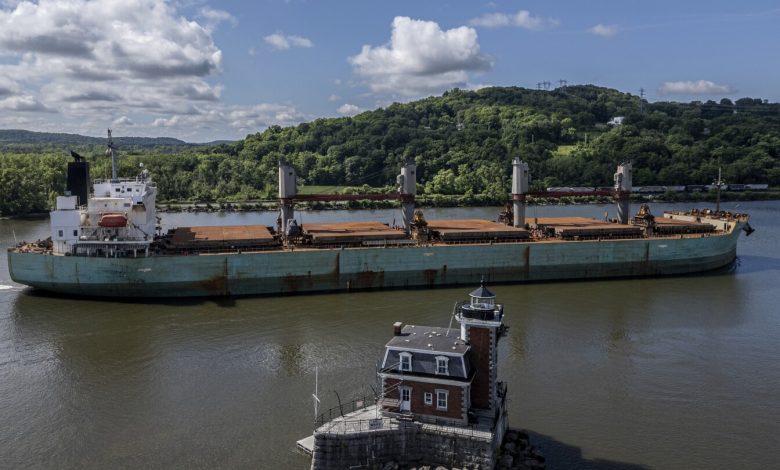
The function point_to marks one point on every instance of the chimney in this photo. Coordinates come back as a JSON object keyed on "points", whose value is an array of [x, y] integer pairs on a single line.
{"points": [[397, 327]]}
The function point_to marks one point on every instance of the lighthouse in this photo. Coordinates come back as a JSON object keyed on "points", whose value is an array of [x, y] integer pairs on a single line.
{"points": [[481, 326]]}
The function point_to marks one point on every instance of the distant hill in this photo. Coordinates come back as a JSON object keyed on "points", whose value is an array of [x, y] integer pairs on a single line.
{"points": [[19, 136]]}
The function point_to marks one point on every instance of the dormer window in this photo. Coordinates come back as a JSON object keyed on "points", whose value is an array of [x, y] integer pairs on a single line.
{"points": [[405, 362], [442, 365]]}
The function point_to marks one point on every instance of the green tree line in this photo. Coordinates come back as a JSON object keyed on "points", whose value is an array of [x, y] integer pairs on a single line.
{"points": [[463, 143]]}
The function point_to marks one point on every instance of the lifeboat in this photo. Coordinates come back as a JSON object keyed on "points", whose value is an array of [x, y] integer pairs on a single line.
{"points": [[113, 220]]}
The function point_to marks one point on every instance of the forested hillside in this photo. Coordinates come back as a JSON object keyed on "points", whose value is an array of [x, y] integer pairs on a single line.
{"points": [[463, 143]]}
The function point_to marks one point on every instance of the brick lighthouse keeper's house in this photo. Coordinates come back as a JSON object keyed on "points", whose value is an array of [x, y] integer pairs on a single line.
{"points": [[447, 375]]}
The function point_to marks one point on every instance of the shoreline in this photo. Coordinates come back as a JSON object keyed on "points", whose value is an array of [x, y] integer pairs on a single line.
{"points": [[432, 201], [437, 201]]}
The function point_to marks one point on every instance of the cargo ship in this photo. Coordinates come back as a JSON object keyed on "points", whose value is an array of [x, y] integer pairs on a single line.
{"points": [[107, 242]]}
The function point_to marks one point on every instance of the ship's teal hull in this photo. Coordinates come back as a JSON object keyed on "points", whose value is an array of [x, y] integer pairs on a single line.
{"points": [[324, 270]]}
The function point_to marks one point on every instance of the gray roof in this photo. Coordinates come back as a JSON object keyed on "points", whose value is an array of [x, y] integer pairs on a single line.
{"points": [[425, 343], [430, 338], [482, 292], [424, 363]]}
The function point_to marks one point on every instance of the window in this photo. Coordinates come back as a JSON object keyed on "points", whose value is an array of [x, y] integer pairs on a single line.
{"points": [[405, 363], [428, 398], [441, 399], [59, 233], [75, 233], [442, 365]]}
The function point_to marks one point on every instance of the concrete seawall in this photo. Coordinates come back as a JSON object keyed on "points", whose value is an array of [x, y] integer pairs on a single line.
{"points": [[406, 445], [347, 442]]}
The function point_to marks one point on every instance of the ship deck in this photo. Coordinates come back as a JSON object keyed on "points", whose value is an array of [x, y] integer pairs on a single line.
{"points": [[349, 232], [463, 229], [221, 236]]}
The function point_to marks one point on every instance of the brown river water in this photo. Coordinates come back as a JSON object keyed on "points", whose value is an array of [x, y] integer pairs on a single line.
{"points": [[671, 373]]}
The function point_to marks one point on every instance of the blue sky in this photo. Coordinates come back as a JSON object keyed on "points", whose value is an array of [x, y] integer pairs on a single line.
{"points": [[201, 70]]}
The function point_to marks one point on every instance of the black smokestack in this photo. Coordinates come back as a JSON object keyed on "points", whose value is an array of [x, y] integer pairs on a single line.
{"points": [[78, 177]]}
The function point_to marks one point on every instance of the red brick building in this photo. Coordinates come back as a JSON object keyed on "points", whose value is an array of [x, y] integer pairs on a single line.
{"points": [[445, 374]]}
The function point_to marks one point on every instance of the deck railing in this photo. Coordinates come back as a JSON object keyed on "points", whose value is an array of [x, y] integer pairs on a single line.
{"points": [[344, 409]]}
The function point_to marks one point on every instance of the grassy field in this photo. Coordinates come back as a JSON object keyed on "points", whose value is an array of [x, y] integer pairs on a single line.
{"points": [[564, 150], [316, 189]]}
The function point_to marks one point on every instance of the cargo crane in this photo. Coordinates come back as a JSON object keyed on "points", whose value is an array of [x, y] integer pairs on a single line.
{"points": [[288, 195]]}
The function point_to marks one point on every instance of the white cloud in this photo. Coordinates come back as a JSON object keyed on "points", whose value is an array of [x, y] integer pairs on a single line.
{"points": [[281, 42], [348, 109], [214, 17], [240, 118], [699, 87], [604, 30], [421, 58], [100, 60], [8, 87], [521, 19], [334, 98], [25, 103], [123, 121]]}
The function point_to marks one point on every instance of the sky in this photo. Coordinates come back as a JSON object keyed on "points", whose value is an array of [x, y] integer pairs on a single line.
{"points": [[205, 70]]}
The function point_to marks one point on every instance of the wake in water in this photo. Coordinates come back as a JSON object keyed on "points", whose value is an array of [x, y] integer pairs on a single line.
{"points": [[5, 287]]}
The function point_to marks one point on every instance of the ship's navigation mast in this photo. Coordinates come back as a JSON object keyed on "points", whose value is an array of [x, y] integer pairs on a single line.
{"points": [[718, 183], [111, 153]]}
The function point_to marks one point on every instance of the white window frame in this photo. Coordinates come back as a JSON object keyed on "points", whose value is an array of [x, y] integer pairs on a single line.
{"points": [[442, 360], [405, 362], [439, 394], [428, 398]]}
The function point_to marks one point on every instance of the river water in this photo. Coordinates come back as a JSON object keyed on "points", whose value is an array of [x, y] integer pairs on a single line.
{"points": [[657, 373]]}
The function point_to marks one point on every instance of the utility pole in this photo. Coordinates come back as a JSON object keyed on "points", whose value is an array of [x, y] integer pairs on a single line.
{"points": [[538, 85], [641, 101], [546, 85], [562, 83]]}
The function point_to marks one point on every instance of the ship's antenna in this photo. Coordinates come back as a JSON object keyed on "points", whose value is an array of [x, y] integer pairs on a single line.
{"points": [[718, 184], [110, 152]]}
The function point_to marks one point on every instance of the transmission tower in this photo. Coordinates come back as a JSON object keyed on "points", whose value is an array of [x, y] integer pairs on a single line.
{"points": [[641, 101]]}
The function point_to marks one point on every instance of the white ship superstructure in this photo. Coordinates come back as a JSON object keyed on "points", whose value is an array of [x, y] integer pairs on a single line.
{"points": [[118, 220]]}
